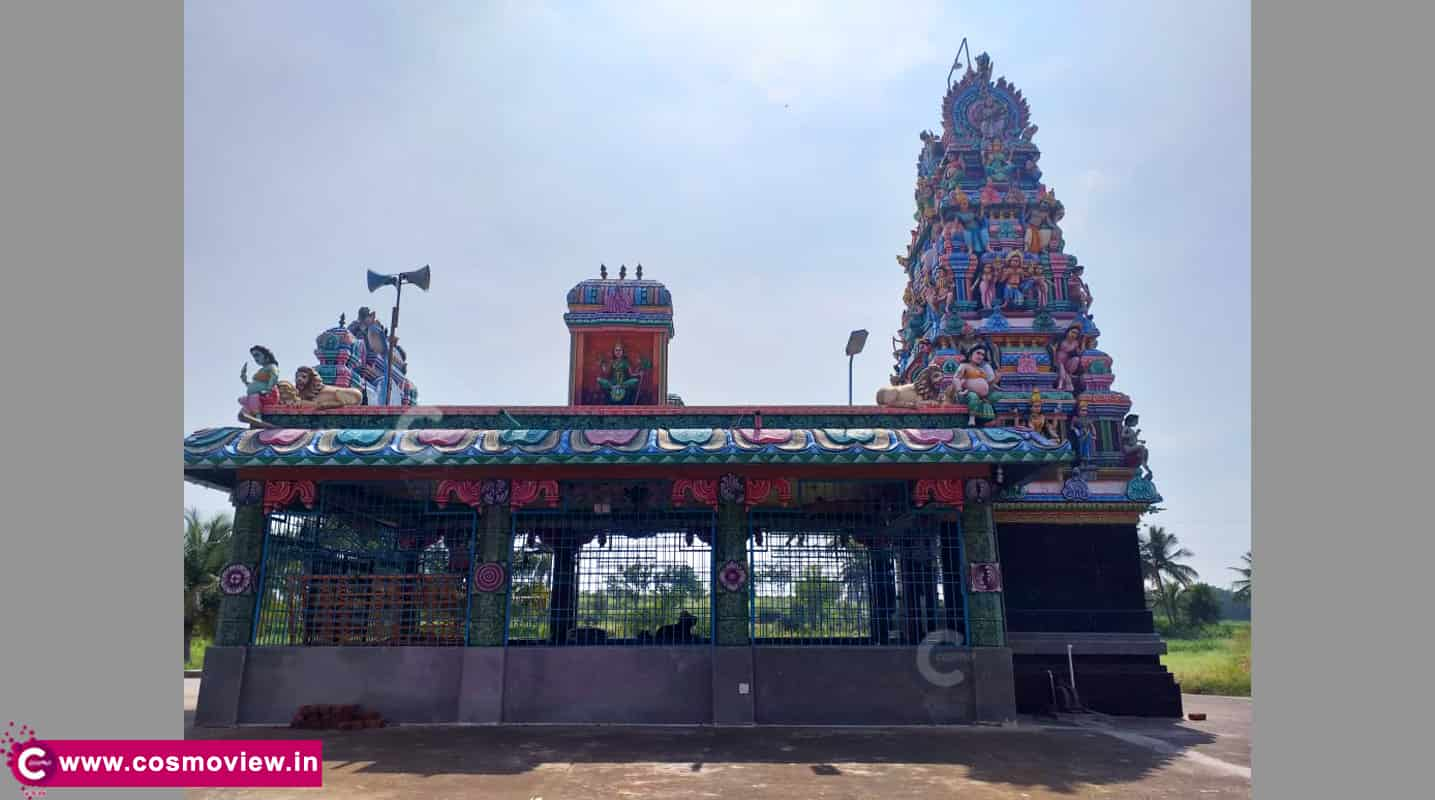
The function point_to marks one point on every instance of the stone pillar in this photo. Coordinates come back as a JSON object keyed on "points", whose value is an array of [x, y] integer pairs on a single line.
{"points": [[236, 611], [731, 615], [488, 612], [986, 621]]}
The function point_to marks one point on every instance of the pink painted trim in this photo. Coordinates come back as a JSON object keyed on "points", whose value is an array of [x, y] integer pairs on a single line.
{"points": [[635, 411]]}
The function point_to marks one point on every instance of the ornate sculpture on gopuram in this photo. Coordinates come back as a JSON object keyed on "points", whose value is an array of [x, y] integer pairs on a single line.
{"points": [[350, 372], [996, 311]]}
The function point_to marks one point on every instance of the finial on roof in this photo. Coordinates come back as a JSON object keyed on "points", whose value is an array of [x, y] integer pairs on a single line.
{"points": [[623, 272], [341, 319], [640, 271], [603, 271]]}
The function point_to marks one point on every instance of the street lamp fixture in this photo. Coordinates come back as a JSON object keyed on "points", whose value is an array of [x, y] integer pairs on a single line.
{"points": [[855, 342]]}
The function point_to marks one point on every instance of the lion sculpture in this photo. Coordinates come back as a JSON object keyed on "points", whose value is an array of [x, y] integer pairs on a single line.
{"points": [[921, 392], [309, 389]]}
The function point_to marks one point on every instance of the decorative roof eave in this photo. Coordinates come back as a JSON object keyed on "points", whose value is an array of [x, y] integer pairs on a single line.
{"points": [[231, 448]]}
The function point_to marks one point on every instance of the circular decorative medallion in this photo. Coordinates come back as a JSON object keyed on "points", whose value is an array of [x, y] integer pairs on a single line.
{"points": [[248, 493], [488, 577], [731, 488], [732, 576], [236, 579]]}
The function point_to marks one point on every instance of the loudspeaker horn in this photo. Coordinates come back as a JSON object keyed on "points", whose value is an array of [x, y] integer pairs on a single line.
{"points": [[419, 277]]}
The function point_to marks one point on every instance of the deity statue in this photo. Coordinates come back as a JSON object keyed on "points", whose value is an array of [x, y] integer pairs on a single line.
{"points": [[1036, 280], [943, 282], [618, 380], [924, 198], [1076, 289], [1133, 447], [959, 335], [900, 352], [952, 175], [990, 115], [1066, 354], [951, 232], [1039, 223], [936, 307], [998, 167], [1038, 420], [1013, 272], [1082, 437], [265, 381], [984, 284], [974, 381], [989, 195], [974, 224]]}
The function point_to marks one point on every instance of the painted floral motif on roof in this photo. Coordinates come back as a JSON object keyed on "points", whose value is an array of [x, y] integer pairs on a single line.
{"points": [[227, 448]]}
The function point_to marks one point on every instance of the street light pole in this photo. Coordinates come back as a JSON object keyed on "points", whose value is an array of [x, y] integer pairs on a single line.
{"points": [[850, 359]]}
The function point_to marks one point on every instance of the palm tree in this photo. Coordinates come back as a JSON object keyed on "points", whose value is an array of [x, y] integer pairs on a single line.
{"points": [[1160, 554], [1242, 587], [206, 545]]}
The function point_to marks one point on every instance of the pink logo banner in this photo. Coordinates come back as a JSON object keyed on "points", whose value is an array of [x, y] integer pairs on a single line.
{"points": [[164, 763]]}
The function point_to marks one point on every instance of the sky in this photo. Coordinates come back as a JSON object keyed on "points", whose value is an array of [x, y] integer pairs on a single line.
{"points": [[758, 158]]}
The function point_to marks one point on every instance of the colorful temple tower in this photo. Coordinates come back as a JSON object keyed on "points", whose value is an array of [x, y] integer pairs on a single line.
{"points": [[619, 331], [947, 555], [998, 315]]}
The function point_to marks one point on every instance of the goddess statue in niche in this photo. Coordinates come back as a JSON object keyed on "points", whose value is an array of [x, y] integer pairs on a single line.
{"points": [[618, 379]]}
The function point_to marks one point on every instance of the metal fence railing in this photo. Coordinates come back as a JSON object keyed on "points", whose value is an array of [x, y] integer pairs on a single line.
{"points": [[629, 578], [864, 572], [371, 566]]}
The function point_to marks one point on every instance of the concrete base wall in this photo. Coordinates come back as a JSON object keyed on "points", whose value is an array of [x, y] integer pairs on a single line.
{"points": [[608, 684], [882, 685], [670, 685], [405, 684]]}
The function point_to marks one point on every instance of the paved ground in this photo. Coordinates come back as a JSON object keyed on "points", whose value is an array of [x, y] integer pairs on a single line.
{"points": [[1089, 757]]}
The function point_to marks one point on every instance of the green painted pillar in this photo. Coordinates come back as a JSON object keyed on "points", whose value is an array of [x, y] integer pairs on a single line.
{"points": [[986, 622], [730, 608], [236, 611], [488, 611]]}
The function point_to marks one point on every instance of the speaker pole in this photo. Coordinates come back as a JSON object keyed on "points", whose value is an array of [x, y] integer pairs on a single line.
{"points": [[393, 331]]}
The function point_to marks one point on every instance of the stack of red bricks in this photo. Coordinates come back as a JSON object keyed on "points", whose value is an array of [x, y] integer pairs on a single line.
{"points": [[336, 717]]}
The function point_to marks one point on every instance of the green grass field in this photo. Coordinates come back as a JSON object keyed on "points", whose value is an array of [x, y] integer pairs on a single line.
{"points": [[1215, 660]]}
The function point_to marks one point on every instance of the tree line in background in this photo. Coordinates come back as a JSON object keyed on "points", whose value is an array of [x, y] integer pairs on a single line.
{"points": [[1175, 588], [206, 546]]}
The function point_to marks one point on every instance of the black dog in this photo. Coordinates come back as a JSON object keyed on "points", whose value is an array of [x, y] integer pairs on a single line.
{"points": [[680, 632]]}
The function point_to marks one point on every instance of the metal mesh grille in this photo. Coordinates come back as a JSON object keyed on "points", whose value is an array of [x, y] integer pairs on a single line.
{"points": [[373, 565], [631, 578], [853, 570]]}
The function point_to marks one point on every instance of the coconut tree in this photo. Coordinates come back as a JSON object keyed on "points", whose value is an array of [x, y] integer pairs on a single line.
{"points": [[1242, 587], [1161, 554], [206, 545]]}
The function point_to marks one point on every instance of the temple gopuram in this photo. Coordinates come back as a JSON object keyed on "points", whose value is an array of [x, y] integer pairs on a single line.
{"points": [[963, 550]]}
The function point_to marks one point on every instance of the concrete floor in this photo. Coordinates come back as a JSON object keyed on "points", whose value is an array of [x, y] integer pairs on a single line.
{"points": [[1081, 757]]}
